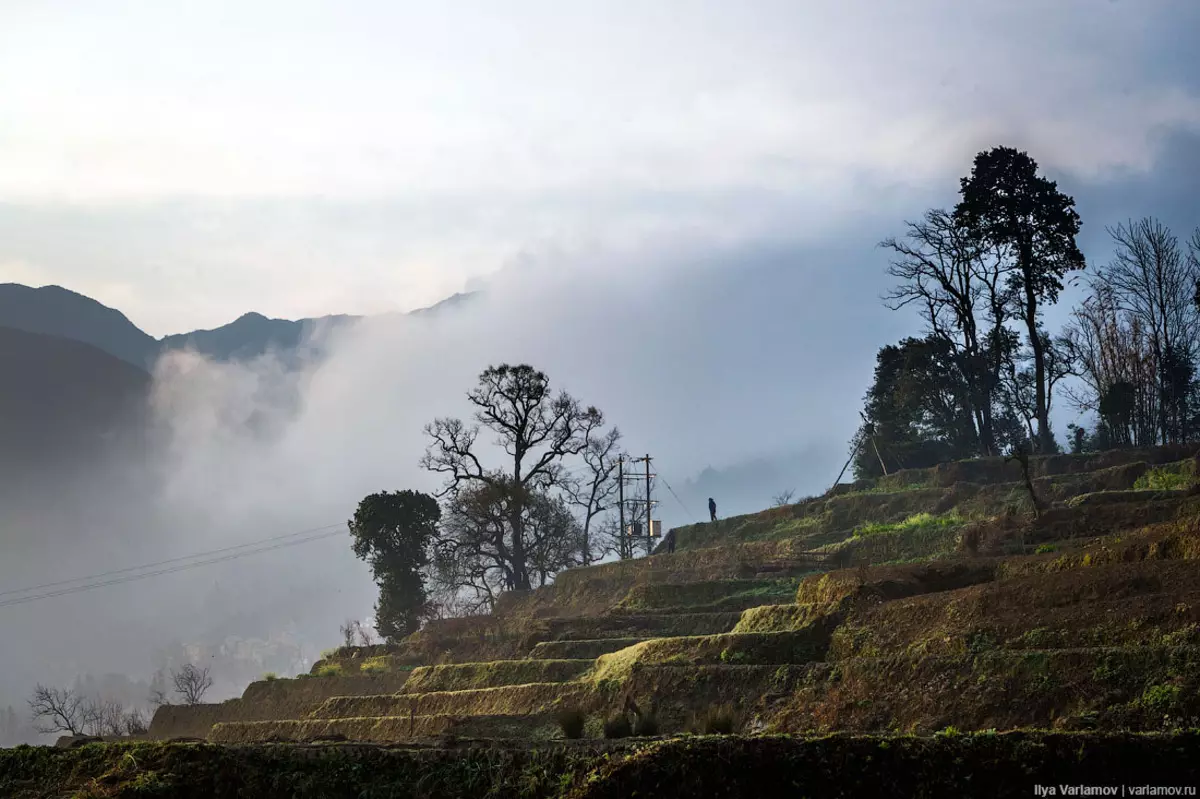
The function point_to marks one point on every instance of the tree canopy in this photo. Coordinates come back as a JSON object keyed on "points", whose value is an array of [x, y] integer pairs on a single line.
{"points": [[393, 532]]}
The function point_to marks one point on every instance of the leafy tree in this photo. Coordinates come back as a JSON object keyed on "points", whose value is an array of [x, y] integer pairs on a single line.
{"points": [[916, 408], [1117, 410], [393, 532], [536, 430], [1005, 203]]}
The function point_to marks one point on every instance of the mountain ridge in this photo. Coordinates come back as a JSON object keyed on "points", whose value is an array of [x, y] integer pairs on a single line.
{"points": [[53, 310]]}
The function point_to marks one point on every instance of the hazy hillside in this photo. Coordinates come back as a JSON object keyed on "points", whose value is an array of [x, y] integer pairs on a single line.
{"points": [[56, 311], [62, 402]]}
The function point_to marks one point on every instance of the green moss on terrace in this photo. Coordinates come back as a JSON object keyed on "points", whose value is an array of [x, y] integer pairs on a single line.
{"points": [[581, 649], [464, 676], [1113, 688], [712, 595], [530, 699], [642, 625], [697, 768]]}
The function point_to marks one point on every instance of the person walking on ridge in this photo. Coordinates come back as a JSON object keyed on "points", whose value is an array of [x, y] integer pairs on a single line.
{"points": [[712, 509]]}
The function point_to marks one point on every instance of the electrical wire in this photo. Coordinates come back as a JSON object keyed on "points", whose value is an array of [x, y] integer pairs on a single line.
{"points": [[156, 564], [677, 499], [184, 567]]}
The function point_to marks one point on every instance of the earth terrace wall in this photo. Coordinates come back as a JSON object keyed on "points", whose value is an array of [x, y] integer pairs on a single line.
{"points": [[836, 767], [265, 700]]}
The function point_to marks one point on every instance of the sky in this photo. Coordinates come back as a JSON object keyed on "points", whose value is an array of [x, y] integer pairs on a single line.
{"points": [[671, 207], [188, 162]]}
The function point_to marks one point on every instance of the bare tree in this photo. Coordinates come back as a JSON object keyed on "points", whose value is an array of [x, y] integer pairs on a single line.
{"points": [[534, 428], [191, 683], [102, 717], [1115, 362], [783, 498], [158, 690], [135, 723], [1152, 283], [473, 554], [348, 630], [60, 710], [958, 283], [596, 489], [366, 637]]}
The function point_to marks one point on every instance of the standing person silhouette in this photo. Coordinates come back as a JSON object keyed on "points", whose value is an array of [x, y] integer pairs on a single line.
{"points": [[712, 509]]}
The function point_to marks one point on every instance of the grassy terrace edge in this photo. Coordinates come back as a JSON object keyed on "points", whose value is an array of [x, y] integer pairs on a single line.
{"points": [[839, 765]]}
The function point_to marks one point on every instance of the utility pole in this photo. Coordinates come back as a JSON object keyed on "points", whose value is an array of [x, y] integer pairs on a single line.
{"points": [[621, 503], [649, 506]]}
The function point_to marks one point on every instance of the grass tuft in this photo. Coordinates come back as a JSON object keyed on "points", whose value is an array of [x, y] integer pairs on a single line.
{"points": [[571, 721]]}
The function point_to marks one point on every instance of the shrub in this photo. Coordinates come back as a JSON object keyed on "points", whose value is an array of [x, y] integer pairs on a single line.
{"points": [[330, 670], [374, 665], [646, 725], [572, 721], [716, 721], [1160, 697], [1044, 548], [618, 727], [1166, 478], [270, 676]]}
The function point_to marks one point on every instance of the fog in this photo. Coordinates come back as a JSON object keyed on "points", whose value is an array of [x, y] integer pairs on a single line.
{"points": [[750, 358], [738, 365]]}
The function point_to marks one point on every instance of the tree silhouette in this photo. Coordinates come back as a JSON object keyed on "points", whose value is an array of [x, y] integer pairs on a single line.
{"points": [[1006, 204], [534, 428], [393, 532]]}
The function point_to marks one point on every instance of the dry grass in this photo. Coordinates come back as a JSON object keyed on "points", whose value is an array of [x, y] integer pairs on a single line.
{"points": [[466, 676], [387, 729], [581, 650], [1111, 605], [771, 648], [661, 597], [783, 618], [640, 625], [267, 699], [535, 698], [1093, 688]]}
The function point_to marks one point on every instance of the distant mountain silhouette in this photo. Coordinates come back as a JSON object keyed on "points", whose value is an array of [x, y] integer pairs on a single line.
{"points": [[251, 335], [63, 403], [453, 301], [56, 311]]}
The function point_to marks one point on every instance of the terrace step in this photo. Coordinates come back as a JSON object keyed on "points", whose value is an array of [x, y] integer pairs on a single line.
{"points": [[581, 649], [532, 698], [641, 625], [494, 674], [385, 729]]}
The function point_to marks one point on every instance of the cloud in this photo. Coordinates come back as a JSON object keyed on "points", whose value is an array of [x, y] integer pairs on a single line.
{"points": [[672, 208]]}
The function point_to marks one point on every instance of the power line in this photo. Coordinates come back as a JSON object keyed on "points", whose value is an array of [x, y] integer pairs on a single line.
{"points": [[677, 499], [172, 570], [156, 564]]}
